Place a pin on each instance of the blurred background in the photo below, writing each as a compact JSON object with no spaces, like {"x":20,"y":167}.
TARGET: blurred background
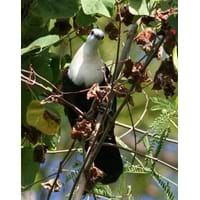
{"x":139,"y":186}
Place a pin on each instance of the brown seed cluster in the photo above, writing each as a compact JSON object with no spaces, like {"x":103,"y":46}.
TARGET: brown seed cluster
{"x":83,"y":129}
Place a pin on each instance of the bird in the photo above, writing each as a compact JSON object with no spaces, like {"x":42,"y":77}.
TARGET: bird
{"x":85,"y":70}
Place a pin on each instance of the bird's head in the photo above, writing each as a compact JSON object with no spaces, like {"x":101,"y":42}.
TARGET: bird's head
{"x":95,"y":36}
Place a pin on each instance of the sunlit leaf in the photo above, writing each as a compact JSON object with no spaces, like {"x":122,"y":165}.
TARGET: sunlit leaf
{"x":97,"y":7}
{"x":138,"y":7}
{"x":45,"y":121}
{"x":40,"y":43}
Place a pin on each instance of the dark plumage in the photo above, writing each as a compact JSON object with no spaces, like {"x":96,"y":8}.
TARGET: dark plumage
{"x":108,"y":159}
{"x":86,"y":69}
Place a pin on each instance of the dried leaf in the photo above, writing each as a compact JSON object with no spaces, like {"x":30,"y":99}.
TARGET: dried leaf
{"x":112,"y":31}
{"x":81,"y":30}
{"x":120,"y":90}
{"x":96,"y":92}
{"x":165,"y":77}
{"x":95,"y":174}
{"x":126,"y":16}
{"x":83,"y":129}
{"x":170,"y":40}
{"x":50,"y":183}
{"x":62,"y":26}
{"x":145,"y":39}
{"x":39,"y":153}
{"x":164,"y":15}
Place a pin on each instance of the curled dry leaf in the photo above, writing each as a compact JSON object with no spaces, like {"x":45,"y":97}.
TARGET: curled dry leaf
{"x":125,"y":15}
{"x":163,"y":15}
{"x":81,"y":30}
{"x":50,"y":183}
{"x":96,"y":92}
{"x":83,"y":129}
{"x":135,"y":74}
{"x":93,"y":176}
{"x":39,"y":153}
{"x":134,"y":70}
{"x":165,"y":77}
{"x":63,"y":26}
{"x":170,"y":40}
{"x":112,"y":31}
{"x":145,"y":39}
{"x":122,"y":91}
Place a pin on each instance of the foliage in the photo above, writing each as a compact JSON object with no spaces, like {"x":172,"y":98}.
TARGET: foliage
{"x":50,"y":31}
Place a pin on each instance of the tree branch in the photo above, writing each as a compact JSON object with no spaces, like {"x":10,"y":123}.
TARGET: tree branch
{"x":93,"y":150}
{"x":60,"y":169}
{"x":141,"y":132}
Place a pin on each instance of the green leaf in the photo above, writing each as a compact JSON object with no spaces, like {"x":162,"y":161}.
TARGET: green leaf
{"x":102,"y":7}
{"x":83,"y":20}
{"x":25,"y":100}
{"x":29,"y":168}
{"x":51,"y":141}
{"x":138,"y":7}
{"x":164,"y":185}
{"x":40,"y":43}
{"x":48,"y":9}
{"x":162,"y":104}
{"x":45,"y":121}
{"x":56,"y":108}
{"x":175,"y":57}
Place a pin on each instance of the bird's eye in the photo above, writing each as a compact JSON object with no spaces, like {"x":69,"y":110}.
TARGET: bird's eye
{"x":92,"y":33}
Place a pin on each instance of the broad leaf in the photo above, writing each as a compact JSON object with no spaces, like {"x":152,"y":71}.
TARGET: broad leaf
{"x":83,"y":20}
{"x":138,"y":7}
{"x":45,"y":121}
{"x":29,"y":168}
{"x":102,"y":7}
{"x":40,"y":43}
{"x":48,"y":9}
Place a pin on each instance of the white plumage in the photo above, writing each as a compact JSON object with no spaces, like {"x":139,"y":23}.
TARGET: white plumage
{"x":86,"y":66}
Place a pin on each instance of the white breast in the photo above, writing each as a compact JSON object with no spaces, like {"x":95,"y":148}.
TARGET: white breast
{"x":86,"y":68}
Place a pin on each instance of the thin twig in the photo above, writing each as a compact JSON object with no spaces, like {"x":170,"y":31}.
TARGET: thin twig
{"x":30,"y":81}
{"x":134,"y":133}
{"x":141,"y":132}
{"x":145,"y":108}
{"x":63,"y":151}
{"x":38,"y":181}
{"x":60,"y":170}
{"x":143,"y":155}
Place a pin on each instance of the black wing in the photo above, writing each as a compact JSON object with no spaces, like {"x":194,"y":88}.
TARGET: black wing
{"x":108,"y":159}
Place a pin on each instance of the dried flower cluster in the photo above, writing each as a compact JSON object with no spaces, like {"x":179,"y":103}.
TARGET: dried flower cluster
{"x":83,"y":129}
{"x":39,"y":153}
{"x":165,"y":78}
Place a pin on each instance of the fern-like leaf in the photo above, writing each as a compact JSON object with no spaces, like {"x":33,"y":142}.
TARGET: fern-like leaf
{"x":165,"y":186}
